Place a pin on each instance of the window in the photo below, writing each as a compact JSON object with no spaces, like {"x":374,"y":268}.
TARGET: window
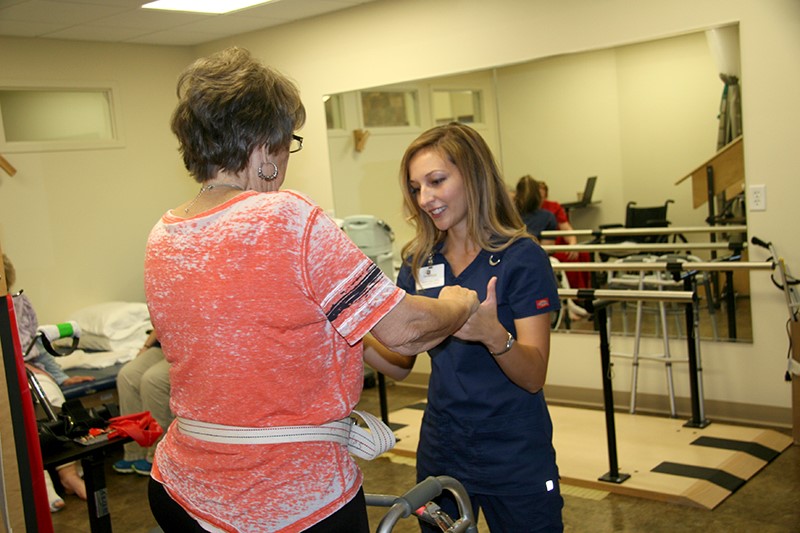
{"x":44,"y":119}
{"x":464,"y":106}
{"x":334,"y":112}
{"x":384,"y":109}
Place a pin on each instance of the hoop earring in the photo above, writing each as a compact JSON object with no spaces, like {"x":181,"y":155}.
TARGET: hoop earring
{"x":272,"y":176}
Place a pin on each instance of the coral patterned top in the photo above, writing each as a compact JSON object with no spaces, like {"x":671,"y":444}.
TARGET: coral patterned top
{"x":260,"y":304}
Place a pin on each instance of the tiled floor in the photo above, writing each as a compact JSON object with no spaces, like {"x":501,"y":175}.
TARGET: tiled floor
{"x":769,"y":502}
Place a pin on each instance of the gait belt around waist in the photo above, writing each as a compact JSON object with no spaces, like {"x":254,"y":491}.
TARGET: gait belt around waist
{"x":361,"y":442}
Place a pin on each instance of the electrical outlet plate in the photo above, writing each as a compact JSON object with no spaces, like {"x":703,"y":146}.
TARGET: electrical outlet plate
{"x":758,"y":197}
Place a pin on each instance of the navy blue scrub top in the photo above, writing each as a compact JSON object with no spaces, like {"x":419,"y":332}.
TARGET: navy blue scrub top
{"x":480,"y":427}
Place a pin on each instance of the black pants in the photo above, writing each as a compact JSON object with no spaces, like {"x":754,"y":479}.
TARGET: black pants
{"x":171,"y":517}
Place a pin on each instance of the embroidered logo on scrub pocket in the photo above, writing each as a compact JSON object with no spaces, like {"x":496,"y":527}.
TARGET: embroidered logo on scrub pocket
{"x":542,"y":303}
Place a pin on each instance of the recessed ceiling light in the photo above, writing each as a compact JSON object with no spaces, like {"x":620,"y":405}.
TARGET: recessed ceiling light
{"x":204,"y":6}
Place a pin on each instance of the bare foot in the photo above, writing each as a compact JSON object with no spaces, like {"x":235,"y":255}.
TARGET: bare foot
{"x":72,"y":482}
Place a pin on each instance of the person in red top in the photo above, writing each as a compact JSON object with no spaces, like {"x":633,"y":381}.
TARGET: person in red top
{"x":261,"y":303}
{"x":577,"y":280}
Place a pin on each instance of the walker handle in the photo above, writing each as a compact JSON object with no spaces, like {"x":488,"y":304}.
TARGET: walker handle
{"x":53,"y":332}
{"x":422,"y":493}
{"x":759,"y":242}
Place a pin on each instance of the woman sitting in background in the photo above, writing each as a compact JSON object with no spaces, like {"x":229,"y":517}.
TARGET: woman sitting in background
{"x":528,"y":200}
{"x":577,"y":280}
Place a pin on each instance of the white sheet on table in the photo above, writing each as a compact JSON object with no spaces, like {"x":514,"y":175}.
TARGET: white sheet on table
{"x":81,"y":359}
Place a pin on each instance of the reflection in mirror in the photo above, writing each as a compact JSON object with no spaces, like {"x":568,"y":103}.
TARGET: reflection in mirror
{"x":386,"y":108}
{"x":333,"y":112}
{"x":457,"y":106}
{"x":639,"y":117}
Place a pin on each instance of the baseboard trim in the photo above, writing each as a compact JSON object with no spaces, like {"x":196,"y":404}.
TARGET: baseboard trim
{"x":655,"y":404}
{"x":658,"y":405}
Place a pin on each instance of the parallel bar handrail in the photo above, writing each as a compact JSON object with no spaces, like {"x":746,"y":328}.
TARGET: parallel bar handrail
{"x":643,"y":247}
{"x":623,"y":295}
{"x":616,"y":232}
{"x":664,"y":266}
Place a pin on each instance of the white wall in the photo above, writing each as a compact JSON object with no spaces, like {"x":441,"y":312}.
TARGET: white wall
{"x":122,"y":193}
{"x":639,"y":117}
{"x":75,"y":222}
{"x":560,"y":122}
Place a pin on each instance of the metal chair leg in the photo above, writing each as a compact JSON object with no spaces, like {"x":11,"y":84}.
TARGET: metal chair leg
{"x":667,"y":359}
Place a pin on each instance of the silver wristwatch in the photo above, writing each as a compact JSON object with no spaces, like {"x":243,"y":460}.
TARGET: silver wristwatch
{"x":509,"y":344}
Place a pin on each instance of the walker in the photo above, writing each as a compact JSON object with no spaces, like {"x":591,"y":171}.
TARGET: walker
{"x":417,"y":502}
{"x":787,"y":284}
{"x":47,"y":335}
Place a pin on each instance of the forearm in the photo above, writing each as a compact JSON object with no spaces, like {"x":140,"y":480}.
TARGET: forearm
{"x":385,"y":361}
{"x":525,"y":363}
{"x":419,"y":323}
{"x":152,"y":340}
{"x":48,"y":363}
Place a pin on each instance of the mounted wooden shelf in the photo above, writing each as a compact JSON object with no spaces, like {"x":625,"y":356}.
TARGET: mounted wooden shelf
{"x":728,"y":168}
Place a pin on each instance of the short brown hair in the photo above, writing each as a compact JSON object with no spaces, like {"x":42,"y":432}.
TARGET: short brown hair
{"x":229,"y":104}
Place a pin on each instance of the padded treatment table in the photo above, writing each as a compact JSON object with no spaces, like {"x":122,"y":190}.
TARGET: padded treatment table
{"x":94,"y":393}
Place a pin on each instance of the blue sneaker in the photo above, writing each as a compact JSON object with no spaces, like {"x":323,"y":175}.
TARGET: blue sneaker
{"x":140,"y":466}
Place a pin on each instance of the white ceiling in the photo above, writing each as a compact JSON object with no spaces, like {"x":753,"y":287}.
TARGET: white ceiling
{"x":124,"y":21}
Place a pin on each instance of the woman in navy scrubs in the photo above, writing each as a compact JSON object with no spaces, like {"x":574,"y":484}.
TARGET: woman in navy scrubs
{"x":486,"y":422}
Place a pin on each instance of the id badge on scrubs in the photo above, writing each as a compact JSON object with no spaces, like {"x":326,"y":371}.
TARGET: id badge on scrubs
{"x":431,"y":277}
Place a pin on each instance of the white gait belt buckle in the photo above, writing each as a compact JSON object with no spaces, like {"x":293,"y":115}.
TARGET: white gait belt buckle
{"x":366,"y":443}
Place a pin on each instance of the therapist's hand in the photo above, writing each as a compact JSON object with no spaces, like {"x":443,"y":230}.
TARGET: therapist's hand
{"x":483,"y":326}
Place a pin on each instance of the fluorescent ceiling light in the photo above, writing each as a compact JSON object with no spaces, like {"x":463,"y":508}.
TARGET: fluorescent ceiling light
{"x":204,"y":6}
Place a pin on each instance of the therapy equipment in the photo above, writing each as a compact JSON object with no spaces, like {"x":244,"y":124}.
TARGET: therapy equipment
{"x":418,"y":502}
{"x":47,"y":335}
{"x":374,"y":237}
{"x":787,"y":282}
{"x":787,"y":285}
{"x":51,"y":333}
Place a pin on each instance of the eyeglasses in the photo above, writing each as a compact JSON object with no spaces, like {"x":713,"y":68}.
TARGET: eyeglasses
{"x":296,"y":144}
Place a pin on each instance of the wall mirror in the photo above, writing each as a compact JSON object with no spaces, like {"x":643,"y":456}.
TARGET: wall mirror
{"x":639,"y":116}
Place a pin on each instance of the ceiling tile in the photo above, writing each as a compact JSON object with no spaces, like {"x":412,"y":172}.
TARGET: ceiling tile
{"x":153,"y":20}
{"x":125,"y":21}
{"x":57,"y":12}
{"x":26,"y":29}
{"x":232,"y":25}
{"x":97,"y":33}
{"x":174,"y":38}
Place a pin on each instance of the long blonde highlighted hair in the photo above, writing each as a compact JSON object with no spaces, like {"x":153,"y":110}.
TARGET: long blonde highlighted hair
{"x":492,"y":220}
